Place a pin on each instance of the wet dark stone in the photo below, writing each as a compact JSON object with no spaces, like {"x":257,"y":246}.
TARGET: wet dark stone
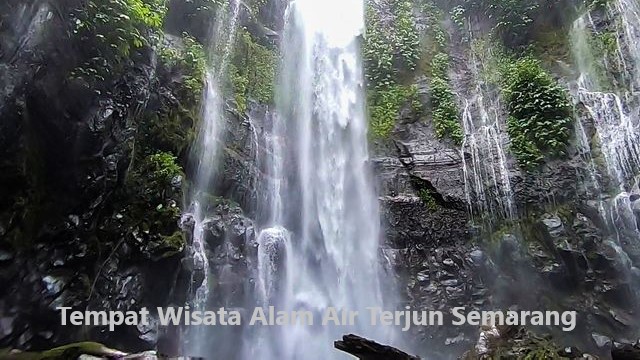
{"x":365,"y":349}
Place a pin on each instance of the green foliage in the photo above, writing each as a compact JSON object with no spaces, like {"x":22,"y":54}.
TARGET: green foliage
{"x":170,"y":128}
{"x":161,"y":169}
{"x":150,"y":199}
{"x":378,"y":52}
{"x":385,"y":105}
{"x":445,"y":111}
{"x":253,"y":71}
{"x":113,"y":31}
{"x":458,"y":14}
{"x":435,"y":31}
{"x":391,"y":47}
{"x":390,"y":50}
{"x":513,"y":19}
{"x":605,"y":43}
{"x":440,"y":65}
{"x":428,"y":199}
{"x":540,"y":114}
{"x":445,"y":115}
{"x":405,"y":36}
{"x":190,"y":61}
{"x":168,"y":123}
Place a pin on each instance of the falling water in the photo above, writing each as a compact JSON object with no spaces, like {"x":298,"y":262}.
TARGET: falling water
{"x":486,"y":170}
{"x":607,"y":88}
{"x":207,"y":147}
{"x":614,"y":113}
{"x":319,"y":243}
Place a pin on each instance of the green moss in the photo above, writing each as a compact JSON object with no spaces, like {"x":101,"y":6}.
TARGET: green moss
{"x":428,"y":199}
{"x":391,"y":51}
{"x":552,"y":45}
{"x":445,"y":114}
{"x":170,"y":125}
{"x":173,"y":244}
{"x":386,"y":104}
{"x":540,"y":113}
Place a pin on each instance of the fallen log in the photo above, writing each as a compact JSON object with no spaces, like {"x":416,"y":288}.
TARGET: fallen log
{"x":365,"y":349}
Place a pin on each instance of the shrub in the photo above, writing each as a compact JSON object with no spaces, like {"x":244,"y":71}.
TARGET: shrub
{"x":253,"y":71}
{"x":112,"y":31}
{"x":445,"y":115}
{"x":540,"y":113}
{"x":389,"y":50}
{"x":390,"y":47}
{"x":446,"y":118}
{"x":191,"y":62}
{"x":385,"y":105}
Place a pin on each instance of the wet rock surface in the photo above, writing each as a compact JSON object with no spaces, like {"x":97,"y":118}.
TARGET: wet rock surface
{"x":78,"y":226}
{"x":365,"y":349}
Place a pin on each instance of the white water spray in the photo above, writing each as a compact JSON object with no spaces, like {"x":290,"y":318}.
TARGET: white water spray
{"x":207,"y":147}
{"x":486,"y":170}
{"x":319,"y":246}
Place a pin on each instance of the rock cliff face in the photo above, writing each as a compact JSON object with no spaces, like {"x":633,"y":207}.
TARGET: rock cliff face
{"x":554,"y":255}
{"x":91,"y":199}
{"x":67,"y":152}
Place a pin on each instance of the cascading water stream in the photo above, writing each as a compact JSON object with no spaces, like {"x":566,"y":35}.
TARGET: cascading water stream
{"x":486,"y":169}
{"x":208,"y":144}
{"x":319,"y":243}
{"x":614,"y":115}
{"x":607,"y":88}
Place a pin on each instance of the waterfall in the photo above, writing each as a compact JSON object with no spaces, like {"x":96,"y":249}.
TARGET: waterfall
{"x":610,"y":102}
{"x":607,"y":88}
{"x":485,"y":163}
{"x":319,"y":214}
{"x":206,"y":156}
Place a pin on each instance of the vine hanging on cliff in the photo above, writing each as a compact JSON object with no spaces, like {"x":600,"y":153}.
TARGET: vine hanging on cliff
{"x":445,"y":114}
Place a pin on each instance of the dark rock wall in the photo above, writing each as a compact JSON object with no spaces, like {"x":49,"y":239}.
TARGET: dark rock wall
{"x":66,"y":154}
{"x":83,"y":221}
